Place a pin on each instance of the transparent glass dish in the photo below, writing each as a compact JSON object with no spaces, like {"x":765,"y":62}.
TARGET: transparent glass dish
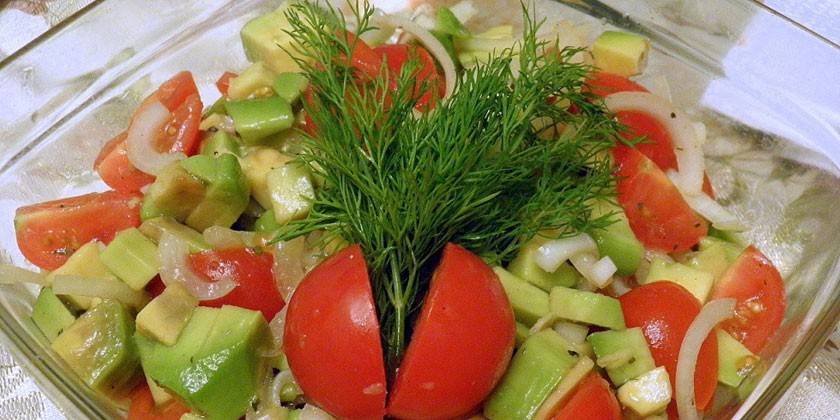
{"x":765,"y":88}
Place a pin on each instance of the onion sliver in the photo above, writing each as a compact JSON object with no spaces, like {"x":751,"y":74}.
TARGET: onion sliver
{"x":99,"y":288}
{"x":707,"y":207}
{"x":434,"y":46}
{"x":175,"y":269}
{"x":140,"y":141}
{"x":712,"y":313}
{"x":687,"y":146}
{"x":289,"y":266}
{"x":278,"y":327}
{"x":10,"y":274}
{"x":311,"y":412}
{"x":555,"y":252}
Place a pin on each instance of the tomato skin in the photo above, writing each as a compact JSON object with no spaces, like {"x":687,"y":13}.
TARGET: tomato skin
{"x":175,"y":91}
{"x":602,"y":84}
{"x":657,"y":145}
{"x":223,"y":83}
{"x":461,"y":345}
{"x":593,"y":399}
{"x":755,"y":283}
{"x":143,"y":407}
{"x":332,"y":339}
{"x":664,"y":311}
{"x":116,"y":170}
{"x":181,"y":132}
{"x":48,"y":233}
{"x":250,"y":269}
{"x":657,"y":213}
{"x":397,"y":55}
{"x":363,"y":59}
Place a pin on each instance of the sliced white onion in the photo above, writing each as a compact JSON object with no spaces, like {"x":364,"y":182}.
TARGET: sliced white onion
{"x":220,"y":237}
{"x":707,"y":207}
{"x":659,"y":86}
{"x":620,"y":286}
{"x":544,"y":322}
{"x":282,"y":379}
{"x":687,"y":146}
{"x":427,"y":39}
{"x":277,"y":327}
{"x":712,"y":313}
{"x":597,"y":272}
{"x":464,"y":10}
{"x":99,"y":288}
{"x":311,"y":412}
{"x":555,"y":252}
{"x":289,"y":267}
{"x":574,"y":333}
{"x":140,"y":141}
{"x":175,"y":269}
{"x":10,"y":274}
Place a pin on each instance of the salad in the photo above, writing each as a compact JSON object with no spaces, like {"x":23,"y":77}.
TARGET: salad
{"x":389,"y":215}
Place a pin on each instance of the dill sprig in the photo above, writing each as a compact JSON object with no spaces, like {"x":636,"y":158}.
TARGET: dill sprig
{"x":473,"y":171}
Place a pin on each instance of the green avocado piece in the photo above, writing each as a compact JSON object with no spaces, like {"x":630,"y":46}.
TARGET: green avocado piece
{"x":85,"y":262}
{"x":624,"y":354}
{"x":174,"y":193}
{"x":290,"y":86}
{"x":648,"y":394}
{"x":528,"y":301}
{"x":522,"y":333}
{"x":587,"y":307}
{"x":256,"y":77}
{"x":617,"y":240}
{"x":291,"y":191}
{"x":50,"y":314}
{"x":735,"y":361}
{"x":132,"y":257}
{"x":154,"y":229}
{"x":165,"y":317}
{"x":698,"y":282}
{"x":731,"y":249}
{"x":538,"y":366}
{"x":258,"y":118}
{"x":524,"y":266}
{"x":621,"y":53}
{"x":267,"y":222}
{"x":99,"y":348}
{"x":265,"y":39}
{"x":221,"y":142}
{"x":227,"y":192}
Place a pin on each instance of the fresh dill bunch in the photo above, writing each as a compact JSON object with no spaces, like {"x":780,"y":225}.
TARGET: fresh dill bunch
{"x":473,"y":171}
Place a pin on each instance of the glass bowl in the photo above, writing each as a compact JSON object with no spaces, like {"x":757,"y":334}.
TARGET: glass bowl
{"x":765,"y":88}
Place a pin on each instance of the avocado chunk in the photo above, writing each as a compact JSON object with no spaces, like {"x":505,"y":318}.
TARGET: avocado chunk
{"x":133,"y":258}
{"x":587,"y":307}
{"x":528,"y":301}
{"x":258,"y":118}
{"x":699,"y":283}
{"x":524,"y":266}
{"x":536,"y":369}
{"x":291,"y":192}
{"x":174,"y":193}
{"x":648,"y":394}
{"x":155,"y":228}
{"x":166,"y":315}
{"x":256,"y":164}
{"x":522,"y":333}
{"x":735,"y":361}
{"x":85,"y":262}
{"x":624,"y":354}
{"x":290,"y":86}
{"x":221,"y":142}
{"x":732,"y":250}
{"x":556,"y":399}
{"x":621,"y":53}
{"x":617,"y":240}
{"x":266,"y":222}
{"x":265,"y":39}
{"x":227,"y":191}
{"x":215,"y":364}
{"x":100,"y":349}
{"x":255,"y":79}
{"x":50,"y":314}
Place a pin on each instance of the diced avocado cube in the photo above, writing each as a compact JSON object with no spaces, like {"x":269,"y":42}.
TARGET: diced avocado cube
{"x":528,"y":301}
{"x":699,"y":283}
{"x":267,"y":222}
{"x":256,"y":164}
{"x":735,"y":362}
{"x":555,"y":400}
{"x":166,"y":315}
{"x":621,"y":53}
{"x":221,"y":142}
{"x":732,"y":250}
{"x":712,"y":260}
{"x":174,"y":193}
{"x":50,"y":314}
{"x":522,"y":333}
{"x":255,"y":79}
{"x":99,"y":347}
{"x":624,"y":354}
{"x":155,"y":228}
{"x":258,"y":118}
{"x":265,"y":39}
{"x":536,"y":369}
{"x":290,"y":86}
{"x":133,"y":258}
{"x":648,"y":394}
{"x":227,"y":191}
{"x":525,"y":267}
{"x":587,"y":307}
{"x":291,"y":192}
{"x":749,"y":383}
{"x":159,"y":395}
{"x":85,"y":262}
{"x":218,"y":108}
{"x":617,"y":240}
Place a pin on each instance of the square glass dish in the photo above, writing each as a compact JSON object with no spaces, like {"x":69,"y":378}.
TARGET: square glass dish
{"x":765,"y":88}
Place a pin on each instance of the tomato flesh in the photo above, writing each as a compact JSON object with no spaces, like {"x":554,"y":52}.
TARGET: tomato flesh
{"x":759,"y":291}
{"x":603,"y":84}
{"x":656,"y":145}
{"x":116,"y":170}
{"x":461,"y":344}
{"x":664,"y":311}
{"x":175,"y":91}
{"x":426,"y":75}
{"x":250,"y":269}
{"x":593,"y":399}
{"x":143,"y":407}
{"x":48,"y":233}
{"x":223,"y":83}
{"x":332,"y":339}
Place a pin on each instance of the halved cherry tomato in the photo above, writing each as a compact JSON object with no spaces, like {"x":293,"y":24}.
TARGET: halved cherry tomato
{"x":760,"y":292}
{"x":657,"y":145}
{"x":223,"y":83}
{"x":116,"y":170}
{"x":664,"y":311}
{"x":48,"y":233}
{"x":426,"y":75}
{"x":657,"y":213}
{"x":602,"y":84}
{"x":461,"y":344}
{"x":593,"y":399}
{"x":250,"y":269}
{"x":181,"y":132}
{"x":143,"y":407}
{"x":332,"y":339}
{"x":366,"y":61}
{"x":175,"y":91}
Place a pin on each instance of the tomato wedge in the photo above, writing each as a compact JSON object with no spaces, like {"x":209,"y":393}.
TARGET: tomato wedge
{"x":603,"y":84}
{"x":658,"y":214}
{"x":116,"y":170}
{"x":175,"y":91}
{"x":461,"y":344}
{"x":332,"y":338}
{"x":143,"y":407}
{"x":657,"y":145}
{"x":760,"y":293}
{"x":223,"y":83}
{"x":48,"y":233}
{"x":397,"y":55}
{"x":250,"y":269}
{"x":593,"y":399}
{"x":664,"y":311}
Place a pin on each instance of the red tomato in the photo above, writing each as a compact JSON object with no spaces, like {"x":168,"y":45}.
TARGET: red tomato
{"x":593,"y":399}
{"x":250,"y":269}
{"x":366,"y":61}
{"x":48,"y":233}
{"x":664,"y":311}
{"x":332,"y":338}
{"x":224,"y":82}
{"x":143,"y":407}
{"x":181,"y":132}
{"x":760,"y":292}
{"x":602,"y":84}
{"x":397,"y":55}
{"x":155,"y":287}
{"x":658,"y":214}
{"x":116,"y":170}
{"x":461,"y":344}
{"x":657,"y":145}
{"x":175,"y":91}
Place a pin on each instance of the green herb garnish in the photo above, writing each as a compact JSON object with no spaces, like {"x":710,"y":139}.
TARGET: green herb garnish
{"x":473,"y":171}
